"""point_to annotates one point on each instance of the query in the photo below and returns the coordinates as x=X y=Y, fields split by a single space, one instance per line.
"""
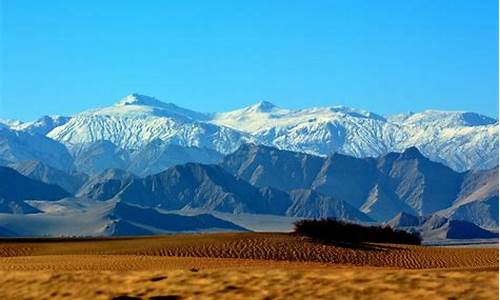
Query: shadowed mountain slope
x=106 y=184
x=15 y=188
x=69 y=181
x=211 y=188
x=380 y=187
x=435 y=227
x=134 y=220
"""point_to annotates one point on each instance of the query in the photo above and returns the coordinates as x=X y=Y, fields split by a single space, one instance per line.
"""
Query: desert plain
x=241 y=266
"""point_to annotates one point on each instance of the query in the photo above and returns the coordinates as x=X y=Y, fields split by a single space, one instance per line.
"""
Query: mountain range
x=260 y=181
x=379 y=187
x=141 y=166
x=144 y=135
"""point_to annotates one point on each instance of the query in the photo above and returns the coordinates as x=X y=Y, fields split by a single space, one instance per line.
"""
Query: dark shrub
x=331 y=230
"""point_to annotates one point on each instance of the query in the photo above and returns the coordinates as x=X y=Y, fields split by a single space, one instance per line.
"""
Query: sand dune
x=241 y=266
x=263 y=246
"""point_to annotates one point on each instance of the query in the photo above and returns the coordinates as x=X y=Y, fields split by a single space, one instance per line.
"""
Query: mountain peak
x=145 y=105
x=138 y=99
x=443 y=118
x=412 y=153
x=404 y=219
x=263 y=106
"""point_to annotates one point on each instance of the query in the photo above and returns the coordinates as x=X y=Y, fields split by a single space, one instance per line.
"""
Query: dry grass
x=242 y=266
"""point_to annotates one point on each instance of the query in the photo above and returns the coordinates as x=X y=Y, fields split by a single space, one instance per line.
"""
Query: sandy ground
x=241 y=266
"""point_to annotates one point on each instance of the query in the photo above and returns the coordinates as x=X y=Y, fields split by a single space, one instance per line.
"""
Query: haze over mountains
x=142 y=166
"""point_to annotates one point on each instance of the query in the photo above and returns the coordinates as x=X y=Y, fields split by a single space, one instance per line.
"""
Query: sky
x=62 y=57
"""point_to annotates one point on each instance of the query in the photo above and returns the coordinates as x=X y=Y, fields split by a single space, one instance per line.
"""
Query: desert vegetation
x=337 y=231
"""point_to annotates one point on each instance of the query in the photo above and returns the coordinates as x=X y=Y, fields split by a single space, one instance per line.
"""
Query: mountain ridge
x=380 y=187
x=462 y=140
x=272 y=185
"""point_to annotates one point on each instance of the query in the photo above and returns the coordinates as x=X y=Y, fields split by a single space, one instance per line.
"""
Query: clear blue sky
x=61 y=57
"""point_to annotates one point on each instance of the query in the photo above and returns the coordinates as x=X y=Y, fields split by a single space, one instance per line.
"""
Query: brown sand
x=241 y=266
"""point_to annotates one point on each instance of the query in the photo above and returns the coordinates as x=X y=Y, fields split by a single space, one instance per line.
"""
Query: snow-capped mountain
x=43 y=125
x=136 y=120
x=18 y=146
x=462 y=140
x=442 y=119
x=9 y=123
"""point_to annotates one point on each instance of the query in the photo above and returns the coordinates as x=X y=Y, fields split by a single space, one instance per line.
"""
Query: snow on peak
x=43 y=125
x=265 y=115
x=463 y=140
x=251 y=118
x=360 y=113
x=443 y=118
x=262 y=106
x=136 y=120
x=10 y=123
x=142 y=106
x=138 y=99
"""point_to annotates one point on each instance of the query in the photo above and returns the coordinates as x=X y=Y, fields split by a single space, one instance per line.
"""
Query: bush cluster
x=336 y=231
